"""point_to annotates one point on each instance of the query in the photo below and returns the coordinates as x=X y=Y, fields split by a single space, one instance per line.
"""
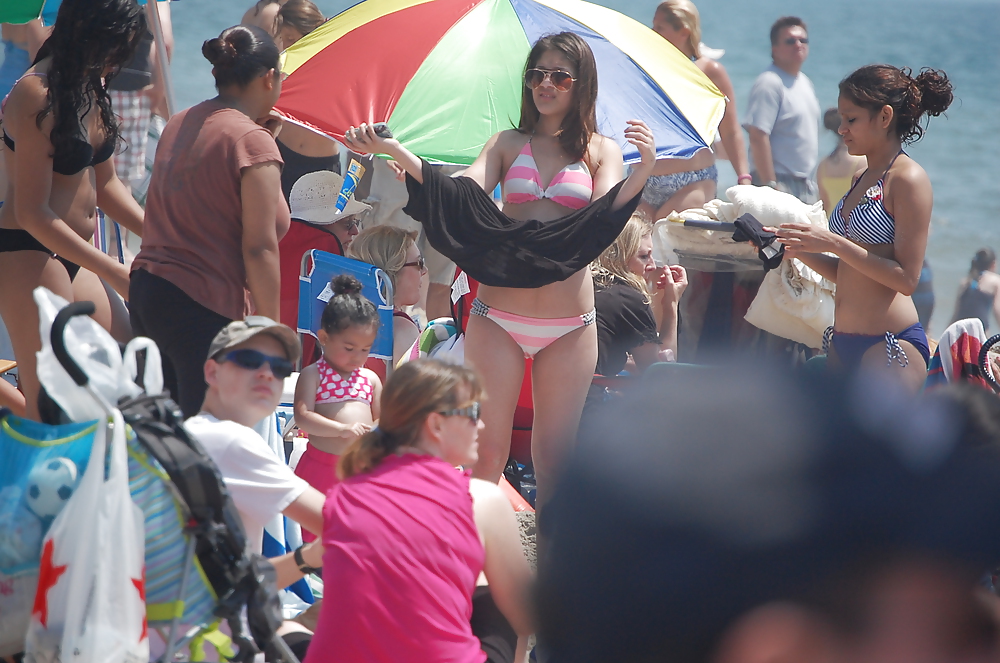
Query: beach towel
x=957 y=355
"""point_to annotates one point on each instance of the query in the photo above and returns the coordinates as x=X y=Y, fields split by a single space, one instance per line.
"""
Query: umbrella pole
x=161 y=56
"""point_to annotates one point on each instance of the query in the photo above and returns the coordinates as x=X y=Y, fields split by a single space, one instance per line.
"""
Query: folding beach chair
x=318 y=268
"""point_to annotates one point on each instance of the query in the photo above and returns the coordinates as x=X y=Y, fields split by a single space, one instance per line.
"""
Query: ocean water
x=961 y=151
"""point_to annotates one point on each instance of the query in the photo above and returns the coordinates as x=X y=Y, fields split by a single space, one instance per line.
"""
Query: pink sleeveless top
x=401 y=562
x=333 y=388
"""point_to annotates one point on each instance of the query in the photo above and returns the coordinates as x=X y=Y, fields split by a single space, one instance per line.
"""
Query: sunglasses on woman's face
x=251 y=360
x=419 y=264
x=472 y=412
x=562 y=80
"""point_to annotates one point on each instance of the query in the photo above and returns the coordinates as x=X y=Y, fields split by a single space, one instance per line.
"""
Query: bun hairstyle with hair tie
x=348 y=307
x=911 y=98
x=413 y=392
x=239 y=55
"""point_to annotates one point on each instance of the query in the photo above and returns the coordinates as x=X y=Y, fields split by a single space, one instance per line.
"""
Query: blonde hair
x=683 y=14
x=412 y=393
x=302 y=15
x=612 y=264
x=383 y=246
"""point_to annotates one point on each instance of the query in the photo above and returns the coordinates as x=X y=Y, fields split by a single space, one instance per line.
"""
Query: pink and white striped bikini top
x=572 y=187
x=335 y=389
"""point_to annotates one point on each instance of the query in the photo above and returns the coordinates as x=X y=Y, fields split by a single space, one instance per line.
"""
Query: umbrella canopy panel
x=447 y=74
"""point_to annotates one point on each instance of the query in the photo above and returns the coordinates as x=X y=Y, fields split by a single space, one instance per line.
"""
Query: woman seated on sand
x=635 y=327
x=406 y=549
x=878 y=231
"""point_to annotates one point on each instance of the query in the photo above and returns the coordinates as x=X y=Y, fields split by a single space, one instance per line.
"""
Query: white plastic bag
x=97 y=354
x=90 y=602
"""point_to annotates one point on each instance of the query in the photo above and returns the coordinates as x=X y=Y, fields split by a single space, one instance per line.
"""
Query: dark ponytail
x=877 y=85
x=348 y=307
x=982 y=261
x=239 y=55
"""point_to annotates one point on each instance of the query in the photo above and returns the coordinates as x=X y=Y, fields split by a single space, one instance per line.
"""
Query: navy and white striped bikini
x=869 y=222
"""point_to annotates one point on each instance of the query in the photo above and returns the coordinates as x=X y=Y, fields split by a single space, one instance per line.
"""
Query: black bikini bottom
x=16 y=239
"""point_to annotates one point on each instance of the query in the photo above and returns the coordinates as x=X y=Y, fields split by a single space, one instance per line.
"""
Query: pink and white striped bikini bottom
x=533 y=334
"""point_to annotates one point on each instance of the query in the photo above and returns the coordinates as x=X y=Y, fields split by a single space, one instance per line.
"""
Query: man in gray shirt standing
x=783 y=116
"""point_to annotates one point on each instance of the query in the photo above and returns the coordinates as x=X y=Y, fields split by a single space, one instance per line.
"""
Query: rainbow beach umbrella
x=447 y=74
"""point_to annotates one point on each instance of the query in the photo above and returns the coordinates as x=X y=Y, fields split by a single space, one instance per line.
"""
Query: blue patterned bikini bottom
x=659 y=188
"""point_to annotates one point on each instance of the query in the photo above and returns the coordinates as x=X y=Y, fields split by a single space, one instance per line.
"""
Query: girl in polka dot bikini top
x=337 y=399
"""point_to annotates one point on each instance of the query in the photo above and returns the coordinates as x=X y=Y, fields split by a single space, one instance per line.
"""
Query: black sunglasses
x=472 y=412
x=253 y=359
x=562 y=80
x=791 y=41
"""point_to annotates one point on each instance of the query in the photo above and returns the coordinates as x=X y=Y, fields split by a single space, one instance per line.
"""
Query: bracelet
x=301 y=562
x=744 y=176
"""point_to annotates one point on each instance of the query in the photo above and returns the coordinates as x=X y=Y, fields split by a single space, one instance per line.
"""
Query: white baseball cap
x=314 y=198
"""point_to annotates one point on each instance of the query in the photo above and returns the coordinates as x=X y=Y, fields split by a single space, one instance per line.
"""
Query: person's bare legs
x=111 y=313
x=560 y=378
x=500 y=363
x=691 y=196
x=912 y=376
x=20 y=273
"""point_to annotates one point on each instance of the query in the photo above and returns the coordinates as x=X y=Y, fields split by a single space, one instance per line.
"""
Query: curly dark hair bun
x=345 y=284
x=876 y=86
x=935 y=91
x=240 y=54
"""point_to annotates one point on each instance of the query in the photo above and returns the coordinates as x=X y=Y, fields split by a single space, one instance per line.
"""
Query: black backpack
x=239 y=578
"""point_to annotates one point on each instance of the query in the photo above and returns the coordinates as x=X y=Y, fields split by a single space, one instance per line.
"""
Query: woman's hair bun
x=218 y=51
x=935 y=91
x=345 y=285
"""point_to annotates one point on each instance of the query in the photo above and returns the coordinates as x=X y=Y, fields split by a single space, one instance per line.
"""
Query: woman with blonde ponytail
x=408 y=537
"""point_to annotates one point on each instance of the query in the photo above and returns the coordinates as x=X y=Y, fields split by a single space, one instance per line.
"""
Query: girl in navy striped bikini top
x=869 y=222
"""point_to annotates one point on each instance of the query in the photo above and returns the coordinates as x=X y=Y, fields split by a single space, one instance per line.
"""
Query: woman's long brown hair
x=580 y=124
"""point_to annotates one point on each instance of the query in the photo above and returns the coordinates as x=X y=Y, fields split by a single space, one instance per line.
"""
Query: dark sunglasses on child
x=472 y=412
x=251 y=360
x=562 y=80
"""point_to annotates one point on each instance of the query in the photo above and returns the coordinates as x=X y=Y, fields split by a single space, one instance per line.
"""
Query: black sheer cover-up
x=463 y=223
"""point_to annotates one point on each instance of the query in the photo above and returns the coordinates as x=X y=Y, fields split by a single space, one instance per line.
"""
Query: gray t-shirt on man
x=786 y=108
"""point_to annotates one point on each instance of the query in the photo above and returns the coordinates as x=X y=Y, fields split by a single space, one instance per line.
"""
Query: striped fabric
x=572 y=186
x=165 y=547
x=868 y=223
x=532 y=334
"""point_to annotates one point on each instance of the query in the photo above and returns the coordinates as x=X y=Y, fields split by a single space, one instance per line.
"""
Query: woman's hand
x=118 y=279
x=671 y=283
x=273 y=122
x=805 y=238
x=641 y=136
x=397 y=169
x=364 y=140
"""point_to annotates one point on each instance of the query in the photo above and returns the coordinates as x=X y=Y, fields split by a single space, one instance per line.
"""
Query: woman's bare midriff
x=562 y=299
x=702 y=159
x=351 y=412
x=73 y=199
x=864 y=306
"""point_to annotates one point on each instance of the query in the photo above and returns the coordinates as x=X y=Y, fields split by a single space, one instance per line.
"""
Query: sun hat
x=314 y=197
x=238 y=331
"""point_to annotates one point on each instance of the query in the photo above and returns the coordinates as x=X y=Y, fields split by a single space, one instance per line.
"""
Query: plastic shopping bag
x=90 y=602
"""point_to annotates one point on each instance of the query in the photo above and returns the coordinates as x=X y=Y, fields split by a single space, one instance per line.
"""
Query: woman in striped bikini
x=528 y=309
x=878 y=231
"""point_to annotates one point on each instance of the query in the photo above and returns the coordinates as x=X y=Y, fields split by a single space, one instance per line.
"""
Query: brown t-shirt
x=193 y=230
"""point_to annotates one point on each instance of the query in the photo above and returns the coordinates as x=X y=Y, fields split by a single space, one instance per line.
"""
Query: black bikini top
x=74 y=159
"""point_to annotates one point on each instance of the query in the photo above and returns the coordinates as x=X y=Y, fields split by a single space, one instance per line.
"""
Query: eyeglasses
x=791 y=41
x=419 y=264
x=562 y=80
x=472 y=412
x=348 y=224
x=251 y=360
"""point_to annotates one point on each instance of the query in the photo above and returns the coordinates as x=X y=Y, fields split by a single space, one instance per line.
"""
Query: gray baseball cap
x=242 y=330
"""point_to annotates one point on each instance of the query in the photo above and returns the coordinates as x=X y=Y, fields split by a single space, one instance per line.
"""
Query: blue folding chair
x=318 y=268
